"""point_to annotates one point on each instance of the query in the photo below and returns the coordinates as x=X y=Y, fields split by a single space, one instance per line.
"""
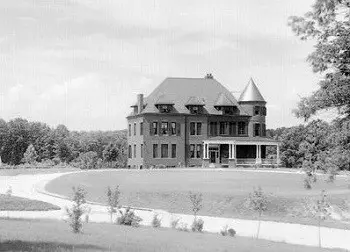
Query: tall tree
x=329 y=24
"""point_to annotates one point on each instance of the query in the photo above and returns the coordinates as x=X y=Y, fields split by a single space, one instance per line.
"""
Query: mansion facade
x=188 y=122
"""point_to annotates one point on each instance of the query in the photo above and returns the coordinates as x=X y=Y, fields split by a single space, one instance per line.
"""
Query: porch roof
x=242 y=140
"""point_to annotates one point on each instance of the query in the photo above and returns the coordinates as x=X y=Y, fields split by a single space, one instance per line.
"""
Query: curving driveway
x=33 y=187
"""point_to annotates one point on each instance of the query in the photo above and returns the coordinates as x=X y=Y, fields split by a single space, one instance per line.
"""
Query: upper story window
x=130 y=152
x=195 y=105
x=165 y=128
x=228 y=110
x=195 y=110
x=134 y=129
x=173 y=128
x=154 y=128
x=256 y=110
x=256 y=129
x=224 y=128
x=242 y=128
x=263 y=129
x=263 y=111
x=165 y=108
x=233 y=128
x=129 y=130
x=195 y=128
x=141 y=128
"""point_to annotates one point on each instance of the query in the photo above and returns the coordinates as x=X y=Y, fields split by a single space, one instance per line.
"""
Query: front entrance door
x=212 y=157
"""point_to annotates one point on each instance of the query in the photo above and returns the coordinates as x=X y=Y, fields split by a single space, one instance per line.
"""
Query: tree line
x=317 y=145
x=24 y=142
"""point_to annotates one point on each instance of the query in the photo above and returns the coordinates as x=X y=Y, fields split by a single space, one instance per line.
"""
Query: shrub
x=156 y=222
x=307 y=183
x=174 y=223
x=228 y=231
x=196 y=201
x=197 y=225
x=128 y=218
x=183 y=227
x=77 y=210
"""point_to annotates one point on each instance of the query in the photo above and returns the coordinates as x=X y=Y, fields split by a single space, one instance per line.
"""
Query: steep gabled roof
x=224 y=101
x=251 y=93
x=180 y=90
x=195 y=101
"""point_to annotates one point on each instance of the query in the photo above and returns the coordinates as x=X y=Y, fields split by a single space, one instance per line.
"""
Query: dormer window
x=164 y=106
x=195 y=105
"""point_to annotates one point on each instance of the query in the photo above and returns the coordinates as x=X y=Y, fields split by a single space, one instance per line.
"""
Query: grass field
x=13 y=203
x=224 y=193
x=56 y=236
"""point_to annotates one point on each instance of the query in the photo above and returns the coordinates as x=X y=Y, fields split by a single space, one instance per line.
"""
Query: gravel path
x=33 y=187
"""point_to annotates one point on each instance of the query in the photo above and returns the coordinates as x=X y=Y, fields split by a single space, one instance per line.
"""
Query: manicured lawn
x=13 y=203
x=44 y=235
x=224 y=193
x=19 y=171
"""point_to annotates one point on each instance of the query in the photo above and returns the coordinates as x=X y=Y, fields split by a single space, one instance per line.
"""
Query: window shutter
x=253 y=110
x=178 y=128
x=151 y=128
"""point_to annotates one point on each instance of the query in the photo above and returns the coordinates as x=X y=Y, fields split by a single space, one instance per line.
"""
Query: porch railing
x=247 y=161
x=269 y=161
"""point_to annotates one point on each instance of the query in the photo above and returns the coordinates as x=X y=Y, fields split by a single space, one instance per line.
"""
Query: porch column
x=258 y=154
x=232 y=159
x=278 y=155
x=234 y=151
x=230 y=151
x=205 y=162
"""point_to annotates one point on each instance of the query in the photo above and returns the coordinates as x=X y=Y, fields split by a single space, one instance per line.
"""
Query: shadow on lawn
x=18 y=245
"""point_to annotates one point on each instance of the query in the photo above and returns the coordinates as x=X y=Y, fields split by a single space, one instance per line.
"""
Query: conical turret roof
x=251 y=93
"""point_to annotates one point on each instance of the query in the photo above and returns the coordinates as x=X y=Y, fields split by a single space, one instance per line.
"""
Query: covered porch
x=233 y=152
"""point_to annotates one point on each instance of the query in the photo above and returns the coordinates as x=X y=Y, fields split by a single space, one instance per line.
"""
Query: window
x=130 y=152
x=256 y=129
x=192 y=128
x=164 y=151
x=199 y=151
x=224 y=128
x=141 y=128
x=155 y=128
x=173 y=128
x=232 y=128
x=165 y=108
x=134 y=129
x=134 y=150
x=195 y=128
x=241 y=128
x=173 y=151
x=256 y=110
x=213 y=128
x=164 y=128
x=263 y=110
x=192 y=150
x=228 y=110
x=141 y=149
x=195 y=110
x=155 y=150
x=263 y=129
x=129 y=129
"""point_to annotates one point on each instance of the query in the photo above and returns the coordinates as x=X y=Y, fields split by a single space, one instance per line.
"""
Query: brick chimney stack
x=139 y=103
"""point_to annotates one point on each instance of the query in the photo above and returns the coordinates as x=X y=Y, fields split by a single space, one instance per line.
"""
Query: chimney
x=140 y=103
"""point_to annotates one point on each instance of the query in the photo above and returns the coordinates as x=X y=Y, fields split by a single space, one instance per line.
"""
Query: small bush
x=196 y=201
x=183 y=227
x=174 y=223
x=128 y=218
x=228 y=231
x=77 y=210
x=156 y=222
x=307 y=183
x=197 y=225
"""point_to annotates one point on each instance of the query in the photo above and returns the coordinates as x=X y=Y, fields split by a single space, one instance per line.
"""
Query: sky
x=81 y=63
